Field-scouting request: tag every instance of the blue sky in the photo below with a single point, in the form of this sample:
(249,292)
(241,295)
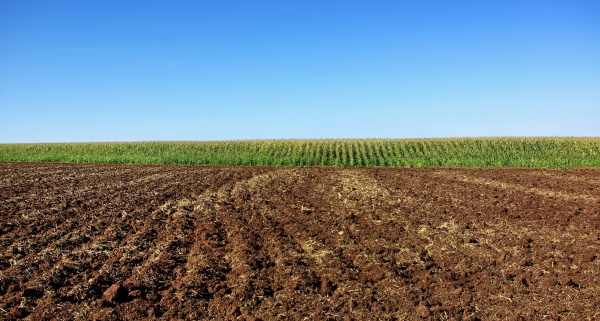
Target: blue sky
(78,71)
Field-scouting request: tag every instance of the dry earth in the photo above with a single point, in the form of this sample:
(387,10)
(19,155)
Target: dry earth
(116,242)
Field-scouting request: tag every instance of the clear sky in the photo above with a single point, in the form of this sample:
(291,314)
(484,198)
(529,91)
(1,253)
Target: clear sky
(78,71)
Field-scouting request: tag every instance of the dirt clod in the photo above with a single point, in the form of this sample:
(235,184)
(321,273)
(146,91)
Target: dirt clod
(422,311)
(135,293)
(501,258)
(114,293)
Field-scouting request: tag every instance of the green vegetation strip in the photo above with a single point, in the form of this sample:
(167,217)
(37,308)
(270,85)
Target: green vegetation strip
(467,152)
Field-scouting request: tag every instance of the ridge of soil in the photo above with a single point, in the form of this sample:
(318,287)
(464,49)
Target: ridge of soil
(123,242)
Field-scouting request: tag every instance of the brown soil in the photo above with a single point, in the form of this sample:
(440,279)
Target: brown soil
(115,242)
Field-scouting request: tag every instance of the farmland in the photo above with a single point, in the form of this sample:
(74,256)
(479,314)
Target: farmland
(468,152)
(130,242)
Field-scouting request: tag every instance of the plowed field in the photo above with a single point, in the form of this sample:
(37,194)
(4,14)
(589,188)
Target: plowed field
(117,242)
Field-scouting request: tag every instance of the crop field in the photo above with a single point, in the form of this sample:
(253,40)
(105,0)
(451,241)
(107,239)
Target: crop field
(147,242)
(468,152)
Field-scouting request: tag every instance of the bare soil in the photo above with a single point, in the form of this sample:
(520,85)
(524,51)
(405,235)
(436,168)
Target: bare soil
(116,242)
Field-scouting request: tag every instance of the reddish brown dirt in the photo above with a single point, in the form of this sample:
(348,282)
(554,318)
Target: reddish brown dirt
(115,242)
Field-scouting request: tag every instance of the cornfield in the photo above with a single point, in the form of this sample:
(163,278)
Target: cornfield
(465,152)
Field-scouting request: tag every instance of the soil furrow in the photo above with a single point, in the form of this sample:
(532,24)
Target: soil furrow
(520,188)
(120,242)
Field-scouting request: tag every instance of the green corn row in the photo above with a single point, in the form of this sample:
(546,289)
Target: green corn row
(466,152)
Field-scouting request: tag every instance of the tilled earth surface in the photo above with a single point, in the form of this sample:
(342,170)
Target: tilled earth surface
(116,242)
